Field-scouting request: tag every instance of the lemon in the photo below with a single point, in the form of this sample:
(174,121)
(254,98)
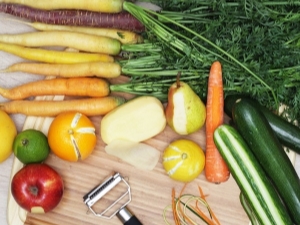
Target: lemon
(183,160)
(31,146)
(8,132)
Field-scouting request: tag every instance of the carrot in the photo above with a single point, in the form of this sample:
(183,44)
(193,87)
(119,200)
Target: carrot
(109,6)
(87,106)
(202,195)
(53,56)
(216,170)
(80,41)
(124,36)
(122,20)
(92,87)
(175,216)
(88,69)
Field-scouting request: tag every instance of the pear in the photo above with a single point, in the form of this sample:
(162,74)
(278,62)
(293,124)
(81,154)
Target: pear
(185,111)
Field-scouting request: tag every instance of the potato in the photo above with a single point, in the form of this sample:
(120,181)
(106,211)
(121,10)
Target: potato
(137,120)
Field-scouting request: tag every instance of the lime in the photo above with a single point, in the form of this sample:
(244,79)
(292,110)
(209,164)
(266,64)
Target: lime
(31,146)
(8,132)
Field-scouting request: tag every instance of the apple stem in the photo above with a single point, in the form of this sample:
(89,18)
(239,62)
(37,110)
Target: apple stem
(178,79)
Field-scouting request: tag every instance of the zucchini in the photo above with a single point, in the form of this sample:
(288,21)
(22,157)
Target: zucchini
(287,133)
(250,177)
(248,210)
(258,134)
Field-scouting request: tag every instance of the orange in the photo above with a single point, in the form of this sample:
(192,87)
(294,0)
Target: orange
(71,136)
(183,160)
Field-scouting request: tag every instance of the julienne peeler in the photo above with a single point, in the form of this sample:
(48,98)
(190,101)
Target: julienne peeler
(107,207)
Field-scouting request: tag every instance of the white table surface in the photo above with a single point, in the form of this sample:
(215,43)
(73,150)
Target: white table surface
(14,79)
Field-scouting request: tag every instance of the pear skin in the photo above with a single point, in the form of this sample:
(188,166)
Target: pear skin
(185,111)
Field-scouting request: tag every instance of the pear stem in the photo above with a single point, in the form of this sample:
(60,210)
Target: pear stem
(178,79)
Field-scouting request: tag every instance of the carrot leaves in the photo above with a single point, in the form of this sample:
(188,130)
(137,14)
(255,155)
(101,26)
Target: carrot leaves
(256,41)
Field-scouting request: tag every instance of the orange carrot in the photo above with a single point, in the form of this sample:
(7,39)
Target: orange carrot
(216,170)
(203,196)
(85,69)
(92,87)
(175,216)
(86,106)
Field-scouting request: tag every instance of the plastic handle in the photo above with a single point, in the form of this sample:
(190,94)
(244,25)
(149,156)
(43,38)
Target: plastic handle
(127,217)
(133,221)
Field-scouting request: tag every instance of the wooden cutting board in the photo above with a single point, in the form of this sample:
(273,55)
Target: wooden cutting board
(151,190)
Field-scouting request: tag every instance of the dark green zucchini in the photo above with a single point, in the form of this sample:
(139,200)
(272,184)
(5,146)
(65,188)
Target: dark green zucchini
(252,180)
(287,133)
(257,132)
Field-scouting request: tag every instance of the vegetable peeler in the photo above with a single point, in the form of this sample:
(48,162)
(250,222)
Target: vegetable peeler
(109,208)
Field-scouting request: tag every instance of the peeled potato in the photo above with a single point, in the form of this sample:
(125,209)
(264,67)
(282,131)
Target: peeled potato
(136,120)
(139,155)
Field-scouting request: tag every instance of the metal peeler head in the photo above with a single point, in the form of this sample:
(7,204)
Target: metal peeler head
(107,205)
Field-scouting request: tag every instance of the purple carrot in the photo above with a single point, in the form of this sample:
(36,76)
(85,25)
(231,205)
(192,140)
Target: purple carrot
(122,20)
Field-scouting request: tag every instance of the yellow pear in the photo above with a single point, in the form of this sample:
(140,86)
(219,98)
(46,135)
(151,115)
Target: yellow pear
(185,111)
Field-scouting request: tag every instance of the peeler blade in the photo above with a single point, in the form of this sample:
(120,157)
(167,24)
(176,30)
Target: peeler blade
(108,209)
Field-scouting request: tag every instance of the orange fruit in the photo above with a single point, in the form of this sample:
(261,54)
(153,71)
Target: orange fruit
(183,160)
(71,136)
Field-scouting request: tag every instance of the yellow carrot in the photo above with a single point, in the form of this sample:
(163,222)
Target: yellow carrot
(124,36)
(86,106)
(92,87)
(53,56)
(109,6)
(76,40)
(88,69)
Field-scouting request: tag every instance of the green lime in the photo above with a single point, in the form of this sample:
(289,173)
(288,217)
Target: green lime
(31,146)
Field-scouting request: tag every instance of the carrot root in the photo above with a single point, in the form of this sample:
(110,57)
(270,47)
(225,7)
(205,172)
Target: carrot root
(124,36)
(122,20)
(91,87)
(86,106)
(83,42)
(216,170)
(108,6)
(85,69)
(183,202)
(53,56)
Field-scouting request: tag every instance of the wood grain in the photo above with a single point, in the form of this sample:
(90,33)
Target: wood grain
(151,190)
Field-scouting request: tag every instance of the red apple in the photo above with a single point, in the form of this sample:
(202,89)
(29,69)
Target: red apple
(37,188)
